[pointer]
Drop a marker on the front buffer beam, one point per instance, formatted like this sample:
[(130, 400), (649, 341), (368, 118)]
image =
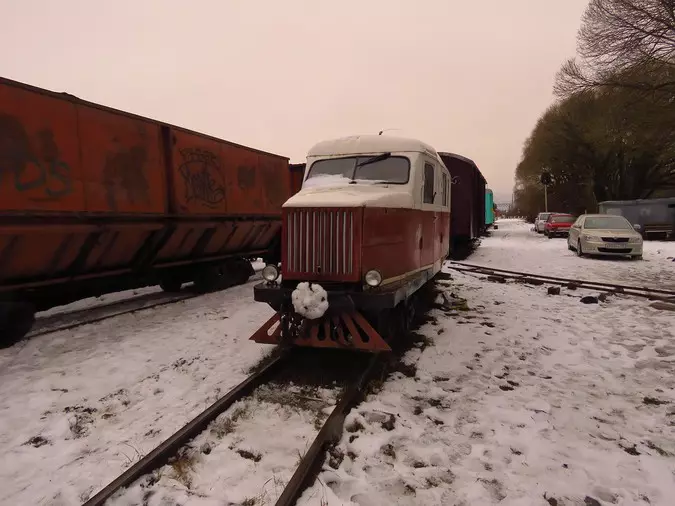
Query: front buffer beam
[(344, 330)]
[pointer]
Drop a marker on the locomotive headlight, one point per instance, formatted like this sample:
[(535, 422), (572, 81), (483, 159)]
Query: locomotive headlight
[(270, 273), (373, 278)]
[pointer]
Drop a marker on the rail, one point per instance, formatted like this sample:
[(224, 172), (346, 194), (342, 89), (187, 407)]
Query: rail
[(44, 329), (639, 291), (329, 433), (161, 455), (165, 299)]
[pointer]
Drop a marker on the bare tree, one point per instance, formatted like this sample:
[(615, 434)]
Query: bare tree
[(624, 43)]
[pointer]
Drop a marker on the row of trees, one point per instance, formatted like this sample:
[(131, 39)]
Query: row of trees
[(611, 133)]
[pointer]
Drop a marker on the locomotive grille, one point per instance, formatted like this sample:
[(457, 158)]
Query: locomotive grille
[(320, 242)]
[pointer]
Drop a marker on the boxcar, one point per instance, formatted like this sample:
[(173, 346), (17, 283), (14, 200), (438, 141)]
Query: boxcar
[(467, 215), (94, 200), (651, 217)]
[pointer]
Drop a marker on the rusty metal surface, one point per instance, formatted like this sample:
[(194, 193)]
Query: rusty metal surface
[(122, 166), (347, 330), (71, 99), (40, 166), (64, 157), (213, 177), (329, 433), (161, 455)]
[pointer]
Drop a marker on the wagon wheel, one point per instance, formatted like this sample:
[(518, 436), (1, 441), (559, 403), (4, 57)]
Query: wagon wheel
[(392, 324), (209, 279), (170, 284)]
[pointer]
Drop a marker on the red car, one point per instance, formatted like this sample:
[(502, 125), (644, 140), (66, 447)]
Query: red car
[(558, 224)]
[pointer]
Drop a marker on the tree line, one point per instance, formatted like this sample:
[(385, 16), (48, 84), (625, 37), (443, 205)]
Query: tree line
[(610, 135)]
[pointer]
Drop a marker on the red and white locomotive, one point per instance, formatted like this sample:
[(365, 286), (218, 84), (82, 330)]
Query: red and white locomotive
[(368, 229)]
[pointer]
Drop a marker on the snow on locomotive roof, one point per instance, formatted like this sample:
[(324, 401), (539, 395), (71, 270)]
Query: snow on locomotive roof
[(367, 144)]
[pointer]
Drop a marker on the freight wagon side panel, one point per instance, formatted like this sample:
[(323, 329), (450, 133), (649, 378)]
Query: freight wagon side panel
[(123, 167), (40, 167), (239, 191), (212, 177), (70, 159)]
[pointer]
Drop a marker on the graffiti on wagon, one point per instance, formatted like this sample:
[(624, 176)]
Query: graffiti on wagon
[(32, 166), (200, 170)]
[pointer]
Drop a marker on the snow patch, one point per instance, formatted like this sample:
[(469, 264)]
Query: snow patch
[(310, 300)]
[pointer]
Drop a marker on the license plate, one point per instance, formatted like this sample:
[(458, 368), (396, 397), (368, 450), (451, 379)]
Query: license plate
[(616, 245)]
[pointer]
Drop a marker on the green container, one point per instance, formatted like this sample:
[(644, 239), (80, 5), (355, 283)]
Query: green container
[(489, 208)]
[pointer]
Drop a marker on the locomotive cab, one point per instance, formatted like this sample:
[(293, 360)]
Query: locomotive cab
[(368, 229)]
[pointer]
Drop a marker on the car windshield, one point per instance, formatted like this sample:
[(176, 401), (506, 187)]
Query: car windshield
[(375, 169), (563, 219), (607, 222)]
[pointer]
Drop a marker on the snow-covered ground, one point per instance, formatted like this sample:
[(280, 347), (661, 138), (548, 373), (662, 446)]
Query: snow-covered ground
[(515, 246), (523, 399), (247, 455), (520, 398), (77, 407)]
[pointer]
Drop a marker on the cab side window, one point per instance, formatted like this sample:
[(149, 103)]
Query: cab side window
[(428, 184)]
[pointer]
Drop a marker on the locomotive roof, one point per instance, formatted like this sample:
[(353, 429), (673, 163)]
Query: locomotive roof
[(366, 144)]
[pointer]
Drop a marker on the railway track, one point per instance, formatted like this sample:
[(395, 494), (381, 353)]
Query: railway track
[(71, 320), (329, 432), (639, 291), (81, 317)]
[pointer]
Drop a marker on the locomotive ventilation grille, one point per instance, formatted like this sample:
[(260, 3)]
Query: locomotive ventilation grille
[(320, 242)]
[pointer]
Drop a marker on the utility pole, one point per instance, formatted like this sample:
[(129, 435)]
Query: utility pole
[(546, 198)]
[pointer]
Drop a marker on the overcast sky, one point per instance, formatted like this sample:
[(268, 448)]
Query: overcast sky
[(467, 77)]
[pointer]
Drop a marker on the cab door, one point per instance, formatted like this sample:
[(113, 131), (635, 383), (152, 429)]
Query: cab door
[(429, 235)]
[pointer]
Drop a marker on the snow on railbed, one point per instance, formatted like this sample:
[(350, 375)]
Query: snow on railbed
[(78, 407), (523, 399), (246, 456), (109, 298)]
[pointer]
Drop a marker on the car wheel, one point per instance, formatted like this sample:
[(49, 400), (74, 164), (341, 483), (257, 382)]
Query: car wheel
[(579, 252), (550, 235)]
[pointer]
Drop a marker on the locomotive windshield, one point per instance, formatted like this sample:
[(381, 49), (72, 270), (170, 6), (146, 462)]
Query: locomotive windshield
[(382, 168)]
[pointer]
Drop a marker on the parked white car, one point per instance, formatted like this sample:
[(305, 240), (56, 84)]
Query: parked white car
[(540, 222), (604, 234)]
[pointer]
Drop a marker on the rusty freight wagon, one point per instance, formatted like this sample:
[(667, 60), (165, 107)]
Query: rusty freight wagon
[(467, 213), (94, 200)]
